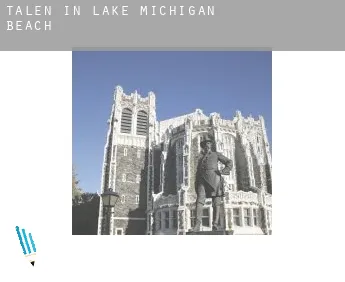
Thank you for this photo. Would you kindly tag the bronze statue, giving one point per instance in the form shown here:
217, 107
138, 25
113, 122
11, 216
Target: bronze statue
209, 182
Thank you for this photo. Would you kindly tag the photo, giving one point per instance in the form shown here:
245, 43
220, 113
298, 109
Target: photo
172, 143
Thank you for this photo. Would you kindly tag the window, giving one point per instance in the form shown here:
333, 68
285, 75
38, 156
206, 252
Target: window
124, 177
251, 171
158, 221
255, 217
180, 177
192, 218
123, 198
174, 219
119, 231
137, 179
236, 216
166, 220
185, 171
125, 152
126, 121
142, 122
179, 144
206, 217
179, 160
137, 199
138, 154
246, 216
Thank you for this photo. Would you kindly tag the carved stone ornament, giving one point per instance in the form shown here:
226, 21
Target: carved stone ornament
241, 196
127, 104
163, 201
118, 89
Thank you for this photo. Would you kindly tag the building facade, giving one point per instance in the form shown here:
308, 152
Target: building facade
152, 165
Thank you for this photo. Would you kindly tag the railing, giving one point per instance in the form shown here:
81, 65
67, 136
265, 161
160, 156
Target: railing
131, 140
160, 200
227, 123
241, 196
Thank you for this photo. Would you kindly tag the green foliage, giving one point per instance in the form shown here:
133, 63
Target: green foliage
85, 215
85, 207
76, 190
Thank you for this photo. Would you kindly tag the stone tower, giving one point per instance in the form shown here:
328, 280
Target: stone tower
127, 165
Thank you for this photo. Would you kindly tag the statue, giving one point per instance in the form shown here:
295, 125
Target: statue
209, 182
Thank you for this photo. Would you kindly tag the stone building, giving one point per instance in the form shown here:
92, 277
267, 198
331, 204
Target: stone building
152, 165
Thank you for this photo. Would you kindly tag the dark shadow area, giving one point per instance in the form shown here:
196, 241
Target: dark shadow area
138, 227
85, 215
256, 167
157, 168
268, 179
242, 173
170, 170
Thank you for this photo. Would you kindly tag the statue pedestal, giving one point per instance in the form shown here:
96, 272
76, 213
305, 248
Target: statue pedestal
219, 232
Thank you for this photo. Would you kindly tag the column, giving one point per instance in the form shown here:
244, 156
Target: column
242, 216
181, 213
263, 178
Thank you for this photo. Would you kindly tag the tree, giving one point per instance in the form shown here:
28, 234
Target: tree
85, 207
76, 190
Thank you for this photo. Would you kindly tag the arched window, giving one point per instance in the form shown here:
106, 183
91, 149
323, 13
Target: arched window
126, 121
142, 121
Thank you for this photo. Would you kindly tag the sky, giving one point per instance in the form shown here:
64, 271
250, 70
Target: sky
214, 81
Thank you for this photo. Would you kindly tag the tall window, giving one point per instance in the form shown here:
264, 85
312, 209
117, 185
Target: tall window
138, 153
124, 177
158, 221
174, 219
185, 166
251, 171
166, 220
192, 218
236, 216
123, 198
126, 121
125, 152
137, 199
137, 179
255, 217
179, 160
206, 217
179, 177
246, 216
142, 121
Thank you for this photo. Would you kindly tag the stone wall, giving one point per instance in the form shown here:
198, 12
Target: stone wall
131, 165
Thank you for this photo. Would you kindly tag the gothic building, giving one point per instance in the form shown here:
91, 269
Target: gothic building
151, 164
